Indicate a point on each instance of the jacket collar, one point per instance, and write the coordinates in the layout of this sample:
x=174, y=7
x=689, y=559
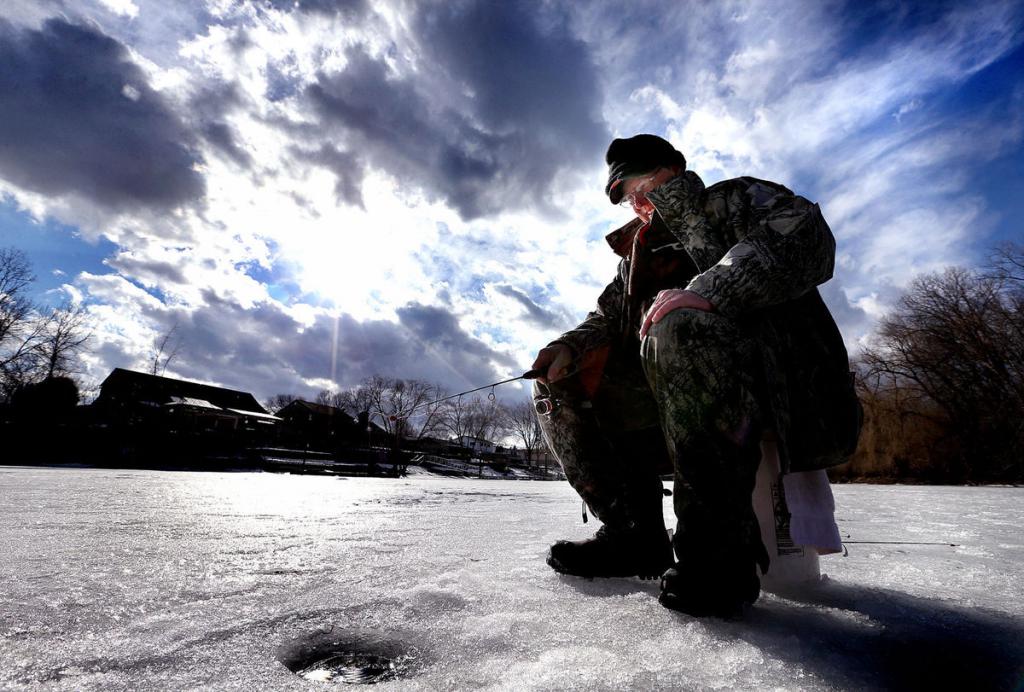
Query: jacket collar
x=621, y=239
x=678, y=197
x=672, y=200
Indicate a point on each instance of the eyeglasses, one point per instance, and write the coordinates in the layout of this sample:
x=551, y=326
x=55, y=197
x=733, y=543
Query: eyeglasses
x=645, y=185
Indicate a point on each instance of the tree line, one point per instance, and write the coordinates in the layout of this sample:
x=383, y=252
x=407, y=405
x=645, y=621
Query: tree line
x=414, y=409
x=942, y=379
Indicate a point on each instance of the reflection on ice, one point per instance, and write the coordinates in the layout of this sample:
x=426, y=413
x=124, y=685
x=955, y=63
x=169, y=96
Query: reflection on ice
x=353, y=657
x=354, y=669
x=197, y=581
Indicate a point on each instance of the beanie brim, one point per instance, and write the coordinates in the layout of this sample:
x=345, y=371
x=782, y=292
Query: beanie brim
x=637, y=155
x=618, y=175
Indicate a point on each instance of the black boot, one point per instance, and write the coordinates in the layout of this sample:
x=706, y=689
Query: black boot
x=632, y=552
x=719, y=578
x=724, y=591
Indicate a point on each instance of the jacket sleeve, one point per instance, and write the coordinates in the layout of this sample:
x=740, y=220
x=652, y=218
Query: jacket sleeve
x=600, y=326
x=783, y=249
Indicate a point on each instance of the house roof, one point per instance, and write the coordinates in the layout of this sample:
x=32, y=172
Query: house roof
x=189, y=401
x=318, y=409
x=299, y=405
x=129, y=387
x=254, y=414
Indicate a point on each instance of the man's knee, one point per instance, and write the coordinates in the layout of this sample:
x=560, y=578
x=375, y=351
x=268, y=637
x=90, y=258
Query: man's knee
x=682, y=331
x=683, y=326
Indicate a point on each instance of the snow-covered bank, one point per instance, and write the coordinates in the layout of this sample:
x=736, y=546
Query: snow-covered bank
x=155, y=580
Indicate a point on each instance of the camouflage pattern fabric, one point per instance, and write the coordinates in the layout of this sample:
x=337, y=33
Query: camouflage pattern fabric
x=757, y=252
x=609, y=444
x=701, y=369
x=769, y=359
x=689, y=405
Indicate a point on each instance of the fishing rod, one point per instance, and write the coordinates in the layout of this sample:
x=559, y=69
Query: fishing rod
x=528, y=375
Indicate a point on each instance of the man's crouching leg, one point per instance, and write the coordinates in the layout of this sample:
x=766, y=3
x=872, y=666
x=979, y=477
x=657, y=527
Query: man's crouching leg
x=616, y=474
x=701, y=369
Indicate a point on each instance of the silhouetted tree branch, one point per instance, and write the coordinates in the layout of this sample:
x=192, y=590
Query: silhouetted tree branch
x=521, y=422
x=64, y=336
x=399, y=405
x=952, y=352
x=166, y=351
x=278, y=402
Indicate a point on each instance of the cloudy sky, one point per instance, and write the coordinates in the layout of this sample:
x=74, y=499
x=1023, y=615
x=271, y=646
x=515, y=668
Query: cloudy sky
x=314, y=191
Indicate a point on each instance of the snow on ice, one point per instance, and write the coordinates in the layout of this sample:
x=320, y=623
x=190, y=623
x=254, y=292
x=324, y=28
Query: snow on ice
x=171, y=580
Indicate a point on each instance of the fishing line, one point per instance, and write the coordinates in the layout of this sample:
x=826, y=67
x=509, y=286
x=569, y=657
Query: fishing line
x=528, y=375
x=949, y=545
x=846, y=552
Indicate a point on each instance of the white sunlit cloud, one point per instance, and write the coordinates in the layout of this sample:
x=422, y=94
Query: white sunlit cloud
x=772, y=98
x=896, y=197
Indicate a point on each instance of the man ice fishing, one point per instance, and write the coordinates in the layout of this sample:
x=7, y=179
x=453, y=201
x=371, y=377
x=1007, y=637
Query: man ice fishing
x=711, y=338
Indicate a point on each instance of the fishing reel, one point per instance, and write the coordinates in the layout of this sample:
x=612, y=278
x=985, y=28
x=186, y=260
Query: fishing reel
x=546, y=406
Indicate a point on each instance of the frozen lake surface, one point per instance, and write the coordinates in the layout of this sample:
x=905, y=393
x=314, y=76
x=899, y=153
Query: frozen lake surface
x=162, y=580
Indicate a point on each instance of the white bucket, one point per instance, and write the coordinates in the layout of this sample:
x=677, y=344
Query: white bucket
x=792, y=566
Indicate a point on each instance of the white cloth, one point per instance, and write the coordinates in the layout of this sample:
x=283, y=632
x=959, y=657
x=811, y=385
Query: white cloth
x=812, y=511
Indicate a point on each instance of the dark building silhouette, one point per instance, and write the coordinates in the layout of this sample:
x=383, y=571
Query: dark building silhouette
x=319, y=425
x=132, y=398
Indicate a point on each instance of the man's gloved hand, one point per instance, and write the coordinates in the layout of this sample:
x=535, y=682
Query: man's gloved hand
x=669, y=300
x=554, y=362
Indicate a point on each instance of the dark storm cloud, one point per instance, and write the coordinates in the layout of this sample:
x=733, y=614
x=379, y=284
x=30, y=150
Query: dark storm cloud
x=265, y=350
x=392, y=124
x=209, y=107
x=149, y=272
x=222, y=136
x=78, y=117
x=523, y=105
x=347, y=9
x=347, y=168
x=437, y=331
x=535, y=313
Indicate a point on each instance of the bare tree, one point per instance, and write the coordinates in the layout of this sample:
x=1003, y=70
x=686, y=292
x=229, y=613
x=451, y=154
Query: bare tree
x=20, y=326
x=952, y=353
x=19, y=360
x=485, y=419
x=406, y=409
x=15, y=307
x=329, y=397
x=455, y=417
x=1008, y=264
x=521, y=422
x=166, y=351
x=63, y=339
x=475, y=416
x=278, y=402
x=426, y=419
x=358, y=399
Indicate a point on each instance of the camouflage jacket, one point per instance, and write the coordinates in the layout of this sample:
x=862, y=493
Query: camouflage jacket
x=757, y=252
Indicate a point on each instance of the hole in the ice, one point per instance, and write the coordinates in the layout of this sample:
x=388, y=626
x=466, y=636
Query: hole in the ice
x=348, y=659
x=355, y=668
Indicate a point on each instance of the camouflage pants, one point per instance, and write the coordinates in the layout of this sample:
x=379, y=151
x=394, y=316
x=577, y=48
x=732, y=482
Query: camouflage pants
x=688, y=404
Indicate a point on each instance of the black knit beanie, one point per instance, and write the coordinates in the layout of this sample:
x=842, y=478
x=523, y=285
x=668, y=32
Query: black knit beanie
x=635, y=156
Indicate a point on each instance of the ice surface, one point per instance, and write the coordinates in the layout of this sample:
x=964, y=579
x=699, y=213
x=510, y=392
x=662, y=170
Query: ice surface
x=162, y=580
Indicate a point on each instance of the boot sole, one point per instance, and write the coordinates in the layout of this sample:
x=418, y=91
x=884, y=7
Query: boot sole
x=730, y=611
x=561, y=569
